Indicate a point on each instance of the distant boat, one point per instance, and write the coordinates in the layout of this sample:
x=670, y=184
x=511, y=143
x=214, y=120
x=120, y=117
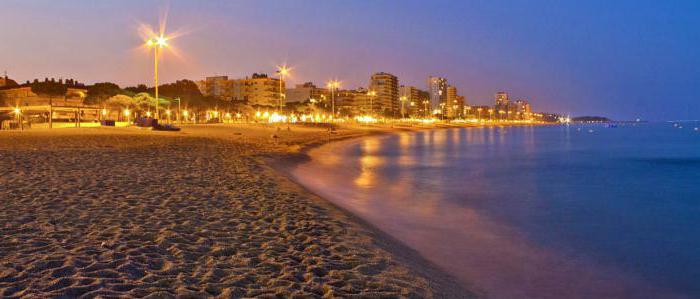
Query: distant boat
x=590, y=130
x=611, y=126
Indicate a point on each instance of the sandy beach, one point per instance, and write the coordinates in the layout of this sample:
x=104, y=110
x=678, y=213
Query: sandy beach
x=125, y=212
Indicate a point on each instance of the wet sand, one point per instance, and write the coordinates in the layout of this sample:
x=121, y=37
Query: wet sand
x=133, y=213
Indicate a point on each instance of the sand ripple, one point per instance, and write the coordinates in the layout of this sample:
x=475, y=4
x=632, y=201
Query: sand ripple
x=141, y=215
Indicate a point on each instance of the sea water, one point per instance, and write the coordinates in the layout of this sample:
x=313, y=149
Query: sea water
x=565, y=211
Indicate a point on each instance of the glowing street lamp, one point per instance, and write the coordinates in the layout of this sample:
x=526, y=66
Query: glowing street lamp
x=333, y=86
x=157, y=43
x=127, y=113
x=371, y=95
x=403, y=100
x=282, y=70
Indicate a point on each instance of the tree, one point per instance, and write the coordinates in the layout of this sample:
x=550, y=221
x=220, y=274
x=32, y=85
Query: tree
x=144, y=101
x=137, y=89
x=120, y=101
x=99, y=92
x=48, y=88
x=186, y=90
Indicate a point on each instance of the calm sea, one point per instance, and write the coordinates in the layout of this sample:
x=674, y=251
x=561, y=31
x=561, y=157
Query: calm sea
x=532, y=212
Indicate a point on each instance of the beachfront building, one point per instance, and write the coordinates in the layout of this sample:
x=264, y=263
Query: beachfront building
x=501, y=98
x=261, y=90
x=454, y=104
x=306, y=92
x=413, y=101
x=502, y=107
x=385, y=88
x=437, y=88
x=216, y=86
x=258, y=90
x=522, y=110
x=353, y=102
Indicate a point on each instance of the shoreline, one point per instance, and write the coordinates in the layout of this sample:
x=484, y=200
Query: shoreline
x=284, y=163
x=444, y=284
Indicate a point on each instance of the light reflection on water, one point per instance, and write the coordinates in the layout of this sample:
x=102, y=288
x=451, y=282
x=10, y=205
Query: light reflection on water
x=497, y=207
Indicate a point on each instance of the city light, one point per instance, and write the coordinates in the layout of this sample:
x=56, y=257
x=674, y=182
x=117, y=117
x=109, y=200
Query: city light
x=283, y=70
x=366, y=119
x=276, y=118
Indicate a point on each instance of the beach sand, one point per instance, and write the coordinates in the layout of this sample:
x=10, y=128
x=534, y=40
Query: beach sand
x=199, y=213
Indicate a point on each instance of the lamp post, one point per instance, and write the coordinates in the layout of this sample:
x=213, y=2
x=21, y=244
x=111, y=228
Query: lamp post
x=371, y=95
x=156, y=43
x=283, y=71
x=333, y=86
x=425, y=108
x=402, y=99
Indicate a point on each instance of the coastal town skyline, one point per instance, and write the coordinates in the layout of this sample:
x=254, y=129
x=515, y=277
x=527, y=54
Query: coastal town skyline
x=400, y=41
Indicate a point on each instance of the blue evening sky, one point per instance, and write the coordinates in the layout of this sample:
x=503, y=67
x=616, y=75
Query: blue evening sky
x=623, y=59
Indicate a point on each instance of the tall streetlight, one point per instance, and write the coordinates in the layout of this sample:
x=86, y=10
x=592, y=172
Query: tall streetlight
x=371, y=95
x=403, y=100
x=333, y=86
x=157, y=43
x=282, y=70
